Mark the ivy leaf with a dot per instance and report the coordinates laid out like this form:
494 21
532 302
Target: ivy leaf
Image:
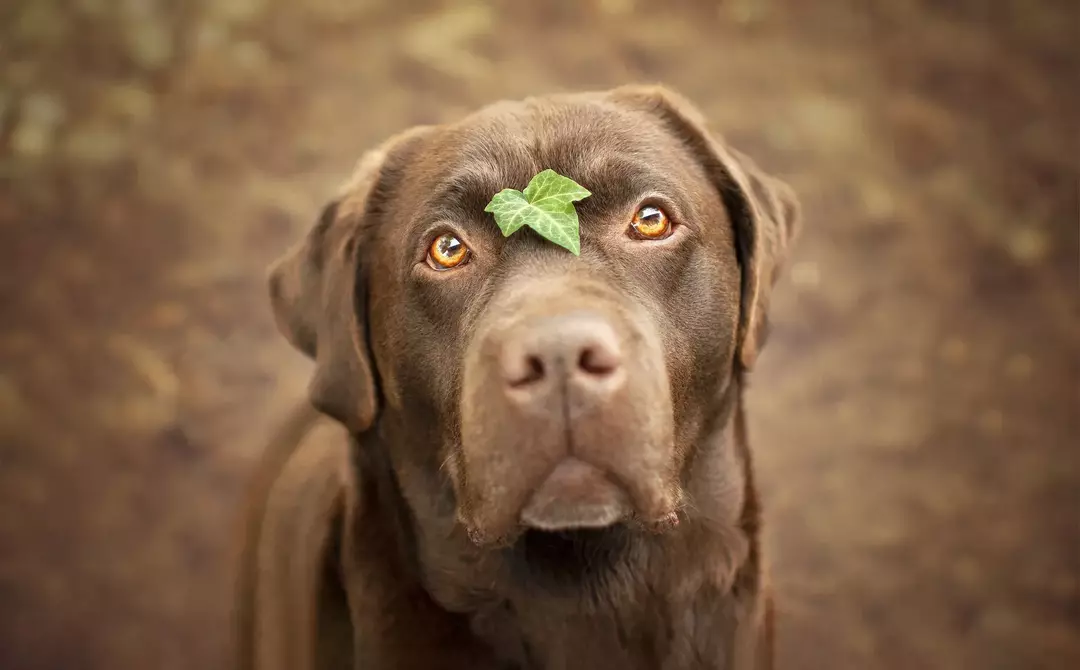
546 206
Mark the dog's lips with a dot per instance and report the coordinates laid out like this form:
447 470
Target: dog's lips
576 495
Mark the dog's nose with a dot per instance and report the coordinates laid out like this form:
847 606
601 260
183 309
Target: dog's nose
580 348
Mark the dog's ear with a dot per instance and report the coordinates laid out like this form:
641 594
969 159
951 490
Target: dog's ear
318 289
763 209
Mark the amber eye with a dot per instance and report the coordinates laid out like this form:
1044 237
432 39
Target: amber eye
446 252
650 223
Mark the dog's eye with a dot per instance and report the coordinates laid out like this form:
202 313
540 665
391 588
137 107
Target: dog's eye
446 252
650 223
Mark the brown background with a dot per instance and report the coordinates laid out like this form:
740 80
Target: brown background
915 414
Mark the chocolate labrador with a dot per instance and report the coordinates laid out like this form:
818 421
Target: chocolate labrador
541 460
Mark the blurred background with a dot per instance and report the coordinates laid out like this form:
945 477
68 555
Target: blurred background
915 415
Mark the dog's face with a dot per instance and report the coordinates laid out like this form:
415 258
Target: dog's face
556 393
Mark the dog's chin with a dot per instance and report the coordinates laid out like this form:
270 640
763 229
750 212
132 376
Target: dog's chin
568 560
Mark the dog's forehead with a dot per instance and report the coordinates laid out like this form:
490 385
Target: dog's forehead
573 135
596 142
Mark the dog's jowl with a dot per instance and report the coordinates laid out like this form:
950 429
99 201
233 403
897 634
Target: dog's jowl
532 458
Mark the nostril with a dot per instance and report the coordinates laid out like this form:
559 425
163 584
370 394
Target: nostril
529 371
535 357
598 360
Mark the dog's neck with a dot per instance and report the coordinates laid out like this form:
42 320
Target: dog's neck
707 566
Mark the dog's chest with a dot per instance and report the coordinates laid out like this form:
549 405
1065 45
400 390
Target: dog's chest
704 634
565 642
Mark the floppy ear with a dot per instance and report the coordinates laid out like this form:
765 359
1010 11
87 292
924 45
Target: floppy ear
318 292
762 208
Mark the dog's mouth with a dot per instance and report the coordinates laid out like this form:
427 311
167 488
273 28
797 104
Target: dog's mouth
576 527
574 501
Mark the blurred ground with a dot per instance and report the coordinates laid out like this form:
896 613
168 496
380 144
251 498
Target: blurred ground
915 414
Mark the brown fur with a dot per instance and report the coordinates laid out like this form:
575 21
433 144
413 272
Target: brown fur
410 537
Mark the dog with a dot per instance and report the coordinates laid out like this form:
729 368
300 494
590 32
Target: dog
528 459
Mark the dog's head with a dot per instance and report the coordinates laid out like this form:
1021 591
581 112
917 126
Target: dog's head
553 392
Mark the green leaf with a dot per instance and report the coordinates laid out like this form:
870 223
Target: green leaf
546 206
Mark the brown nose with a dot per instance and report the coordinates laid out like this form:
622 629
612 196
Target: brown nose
579 348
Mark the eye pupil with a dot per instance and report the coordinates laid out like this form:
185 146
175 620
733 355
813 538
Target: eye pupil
650 223
449 245
447 251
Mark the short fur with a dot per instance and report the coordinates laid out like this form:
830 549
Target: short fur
410 538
